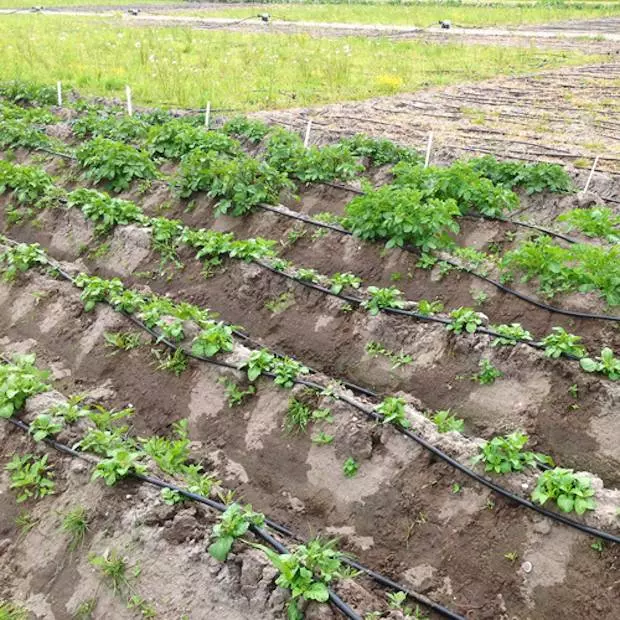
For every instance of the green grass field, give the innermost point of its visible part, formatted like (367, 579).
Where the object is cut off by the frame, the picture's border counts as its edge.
(185, 67)
(420, 15)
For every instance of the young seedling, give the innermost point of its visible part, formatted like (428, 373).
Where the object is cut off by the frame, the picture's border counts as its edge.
(322, 438)
(487, 373)
(464, 319)
(307, 572)
(446, 422)
(234, 395)
(176, 362)
(233, 524)
(75, 524)
(31, 477)
(393, 411)
(113, 567)
(502, 455)
(569, 491)
(122, 341)
(350, 467)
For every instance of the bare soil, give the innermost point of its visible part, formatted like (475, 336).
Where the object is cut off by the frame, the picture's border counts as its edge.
(476, 553)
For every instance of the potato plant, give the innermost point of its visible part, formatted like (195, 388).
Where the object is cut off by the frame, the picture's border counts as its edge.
(114, 163)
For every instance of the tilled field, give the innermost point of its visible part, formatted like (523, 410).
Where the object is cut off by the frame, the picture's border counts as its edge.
(410, 505)
(567, 115)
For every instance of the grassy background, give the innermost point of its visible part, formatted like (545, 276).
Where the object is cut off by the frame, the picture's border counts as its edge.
(185, 67)
(421, 15)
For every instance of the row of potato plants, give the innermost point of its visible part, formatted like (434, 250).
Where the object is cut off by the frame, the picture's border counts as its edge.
(211, 246)
(307, 571)
(418, 209)
(500, 455)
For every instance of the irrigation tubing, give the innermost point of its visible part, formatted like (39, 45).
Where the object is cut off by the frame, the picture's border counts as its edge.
(374, 415)
(505, 289)
(495, 283)
(347, 611)
(259, 532)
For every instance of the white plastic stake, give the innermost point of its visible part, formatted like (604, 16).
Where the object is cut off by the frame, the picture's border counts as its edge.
(207, 114)
(585, 189)
(307, 138)
(59, 92)
(129, 106)
(428, 149)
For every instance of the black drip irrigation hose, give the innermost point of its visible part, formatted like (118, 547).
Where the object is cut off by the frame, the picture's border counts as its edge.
(347, 611)
(273, 525)
(374, 415)
(505, 289)
(495, 283)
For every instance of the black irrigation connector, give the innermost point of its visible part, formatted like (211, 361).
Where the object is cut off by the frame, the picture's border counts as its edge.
(499, 285)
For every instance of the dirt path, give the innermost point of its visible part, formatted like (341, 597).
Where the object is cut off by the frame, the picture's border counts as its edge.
(591, 36)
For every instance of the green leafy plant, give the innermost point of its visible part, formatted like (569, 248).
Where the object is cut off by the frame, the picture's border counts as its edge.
(12, 611)
(32, 478)
(350, 467)
(171, 455)
(258, 363)
(176, 138)
(106, 211)
(122, 341)
(97, 289)
(322, 438)
(402, 216)
(560, 342)
(459, 184)
(19, 380)
(171, 497)
(118, 464)
(251, 129)
(115, 163)
(582, 267)
(487, 373)
(45, 425)
(381, 298)
(234, 395)
(307, 572)
(19, 258)
(27, 183)
(502, 455)
(392, 409)
(234, 522)
(510, 335)
(446, 422)
(464, 319)
(398, 359)
(594, 222)
(396, 600)
(606, 364)
(428, 308)
(113, 567)
(286, 371)
(175, 363)
(569, 491)
(532, 177)
(238, 184)
(298, 416)
(380, 151)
